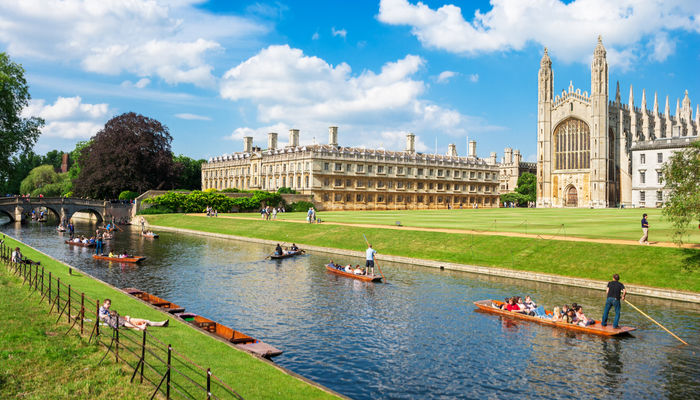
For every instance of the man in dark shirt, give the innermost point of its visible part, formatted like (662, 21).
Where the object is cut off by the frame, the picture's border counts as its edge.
(645, 231)
(615, 292)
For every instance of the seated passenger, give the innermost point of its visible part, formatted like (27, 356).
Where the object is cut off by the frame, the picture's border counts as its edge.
(556, 315)
(294, 247)
(569, 317)
(358, 271)
(531, 305)
(110, 254)
(512, 305)
(564, 309)
(331, 264)
(278, 250)
(523, 308)
(348, 268)
(581, 318)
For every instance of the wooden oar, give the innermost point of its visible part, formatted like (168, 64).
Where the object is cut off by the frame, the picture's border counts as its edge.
(375, 259)
(654, 321)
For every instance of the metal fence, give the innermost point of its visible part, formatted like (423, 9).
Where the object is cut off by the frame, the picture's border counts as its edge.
(169, 372)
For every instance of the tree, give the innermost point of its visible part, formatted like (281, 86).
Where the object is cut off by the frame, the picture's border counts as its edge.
(527, 186)
(189, 172)
(682, 177)
(17, 134)
(19, 168)
(131, 152)
(38, 177)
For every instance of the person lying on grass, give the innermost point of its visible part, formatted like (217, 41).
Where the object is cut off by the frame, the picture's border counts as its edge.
(110, 318)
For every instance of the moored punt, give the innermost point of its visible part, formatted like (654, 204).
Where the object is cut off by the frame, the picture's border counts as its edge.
(155, 300)
(286, 254)
(150, 235)
(596, 329)
(80, 244)
(366, 278)
(238, 339)
(130, 259)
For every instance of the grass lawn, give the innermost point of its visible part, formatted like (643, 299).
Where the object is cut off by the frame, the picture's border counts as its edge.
(597, 223)
(250, 377)
(37, 361)
(644, 265)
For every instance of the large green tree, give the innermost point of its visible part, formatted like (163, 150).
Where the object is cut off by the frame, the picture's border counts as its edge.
(527, 186)
(682, 176)
(19, 167)
(17, 134)
(131, 152)
(189, 173)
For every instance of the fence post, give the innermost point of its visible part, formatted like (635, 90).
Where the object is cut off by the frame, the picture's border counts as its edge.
(97, 318)
(36, 277)
(143, 353)
(42, 280)
(116, 344)
(50, 287)
(68, 304)
(58, 294)
(208, 383)
(82, 311)
(167, 383)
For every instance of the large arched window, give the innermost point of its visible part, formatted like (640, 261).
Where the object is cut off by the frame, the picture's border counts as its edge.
(572, 143)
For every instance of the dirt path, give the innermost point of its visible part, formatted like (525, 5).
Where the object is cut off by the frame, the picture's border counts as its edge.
(489, 233)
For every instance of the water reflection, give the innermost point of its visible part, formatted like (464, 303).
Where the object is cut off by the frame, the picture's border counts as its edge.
(417, 337)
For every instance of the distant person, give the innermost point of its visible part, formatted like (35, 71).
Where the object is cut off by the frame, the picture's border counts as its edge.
(369, 258)
(615, 293)
(16, 256)
(110, 318)
(645, 231)
(278, 250)
(98, 242)
(143, 224)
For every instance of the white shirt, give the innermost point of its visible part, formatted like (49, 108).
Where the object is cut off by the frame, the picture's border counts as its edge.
(370, 252)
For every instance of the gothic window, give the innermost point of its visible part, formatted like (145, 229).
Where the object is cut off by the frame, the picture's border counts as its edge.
(572, 140)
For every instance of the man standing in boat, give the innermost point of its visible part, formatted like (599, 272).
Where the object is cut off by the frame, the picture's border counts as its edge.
(370, 254)
(615, 293)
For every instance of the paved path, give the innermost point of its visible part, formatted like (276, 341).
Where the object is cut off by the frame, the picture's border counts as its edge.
(490, 233)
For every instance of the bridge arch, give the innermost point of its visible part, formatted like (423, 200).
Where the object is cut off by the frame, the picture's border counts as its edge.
(96, 213)
(5, 213)
(53, 210)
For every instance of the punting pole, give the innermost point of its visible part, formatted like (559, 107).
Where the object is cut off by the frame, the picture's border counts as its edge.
(375, 259)
(654, 321)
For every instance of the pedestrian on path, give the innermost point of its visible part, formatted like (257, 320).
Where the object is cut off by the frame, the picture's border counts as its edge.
(615, 293)
(645, 230)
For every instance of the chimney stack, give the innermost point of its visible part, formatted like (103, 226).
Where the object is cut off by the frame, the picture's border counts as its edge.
(294, 137)
(472, 148)
(272, 141)
(333, 135)
(248, 144)
(411, 143)
(452, 150)
(508, 155)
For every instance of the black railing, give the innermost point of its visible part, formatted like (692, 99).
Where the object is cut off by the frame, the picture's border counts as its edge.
(171, 373)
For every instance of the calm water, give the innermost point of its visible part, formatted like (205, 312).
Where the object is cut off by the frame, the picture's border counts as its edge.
(417, 337)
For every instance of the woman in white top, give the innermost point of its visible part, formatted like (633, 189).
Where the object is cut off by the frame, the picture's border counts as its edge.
(348, 268)
(556, 315)
(358, 271)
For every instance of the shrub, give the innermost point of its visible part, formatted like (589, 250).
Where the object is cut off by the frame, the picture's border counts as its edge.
(157, 209)
(300, 206)
(128, 195)
(286, 190)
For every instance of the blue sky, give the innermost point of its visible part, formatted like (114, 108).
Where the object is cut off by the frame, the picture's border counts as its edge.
(215, 71)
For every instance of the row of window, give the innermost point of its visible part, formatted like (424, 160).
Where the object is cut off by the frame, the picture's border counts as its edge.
(348, 198)
(349, 183)
(659, 158)
(643, 196)
(659, 177)
(270, 169)
(381, 169)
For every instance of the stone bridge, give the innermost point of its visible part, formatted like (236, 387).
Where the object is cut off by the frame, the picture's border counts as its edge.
(19, 208)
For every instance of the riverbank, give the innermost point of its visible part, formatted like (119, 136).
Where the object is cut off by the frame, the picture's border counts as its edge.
(248, 375)
(571, 263)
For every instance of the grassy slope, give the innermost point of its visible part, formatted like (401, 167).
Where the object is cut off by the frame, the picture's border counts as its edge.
(643, 265)
(37, 361)
(605, 223)
(246, 374)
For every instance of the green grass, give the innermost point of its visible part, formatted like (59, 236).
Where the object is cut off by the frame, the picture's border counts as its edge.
(598, 223)
(37, 361)
(249, 376)
(644, 265)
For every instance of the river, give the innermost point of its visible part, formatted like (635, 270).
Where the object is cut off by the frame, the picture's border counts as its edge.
(418, 336)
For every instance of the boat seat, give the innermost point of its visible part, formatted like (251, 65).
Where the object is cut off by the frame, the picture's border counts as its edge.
(207, 326)
(161, 303)
(242, 340)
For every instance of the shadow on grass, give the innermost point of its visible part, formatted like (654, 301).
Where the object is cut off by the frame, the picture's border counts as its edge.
(691, 263)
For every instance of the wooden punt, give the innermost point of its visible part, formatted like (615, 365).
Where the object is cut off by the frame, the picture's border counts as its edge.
(150, 236)
(130, 259)
(165, 305)
(238, 339)
(366, 278)
(286, 254)
(80, 244)
(596, 329)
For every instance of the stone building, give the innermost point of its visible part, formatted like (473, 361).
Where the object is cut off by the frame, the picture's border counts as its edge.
(351, 178)
(585, 142)
(510, 169)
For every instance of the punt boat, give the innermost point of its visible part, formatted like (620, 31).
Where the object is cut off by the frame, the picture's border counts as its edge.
(286, 254)
(366, 278)
(130, 259)
(237, 339)
(164, 305)
(596, 328)
(80, 244)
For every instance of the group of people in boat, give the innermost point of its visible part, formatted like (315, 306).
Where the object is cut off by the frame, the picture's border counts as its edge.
(84, 240)
(279, 251)
(356, 270)
(118, 255)
(568, 314)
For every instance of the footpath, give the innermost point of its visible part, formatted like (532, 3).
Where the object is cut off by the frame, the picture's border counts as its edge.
(661, 293)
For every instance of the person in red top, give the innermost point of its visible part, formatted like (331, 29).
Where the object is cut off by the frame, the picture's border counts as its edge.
(512, 306)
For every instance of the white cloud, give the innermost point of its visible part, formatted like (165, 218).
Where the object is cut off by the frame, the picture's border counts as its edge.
(474, 78)
(289, 88)
(445, 76)
(142, 83)
(148, 38)
(69, 117)
(188, 116)
(340, 32)
(661, 47)
(315, 36)
(568, 29)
